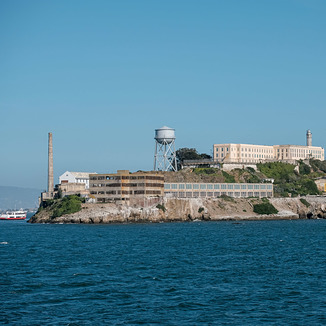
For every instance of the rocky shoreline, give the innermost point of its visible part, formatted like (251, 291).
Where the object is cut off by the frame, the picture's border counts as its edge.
(182, 210)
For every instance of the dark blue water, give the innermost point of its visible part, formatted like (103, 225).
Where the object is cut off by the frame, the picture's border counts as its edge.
(205, 273)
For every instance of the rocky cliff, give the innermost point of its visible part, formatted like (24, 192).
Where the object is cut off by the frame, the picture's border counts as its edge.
(172, 210)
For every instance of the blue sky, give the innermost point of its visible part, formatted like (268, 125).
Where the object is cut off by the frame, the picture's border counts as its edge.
(103, 75)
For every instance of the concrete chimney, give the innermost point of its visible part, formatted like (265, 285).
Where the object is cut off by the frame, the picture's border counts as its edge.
(50, 165)
(309, 138)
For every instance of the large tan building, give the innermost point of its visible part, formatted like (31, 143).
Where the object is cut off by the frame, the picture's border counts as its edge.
(241, 153)
(245, 153)
(295, 152)
(125, 186)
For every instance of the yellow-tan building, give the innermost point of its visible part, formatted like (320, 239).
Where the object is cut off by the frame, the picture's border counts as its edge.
(124, 186)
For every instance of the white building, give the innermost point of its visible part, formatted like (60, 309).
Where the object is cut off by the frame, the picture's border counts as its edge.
(75, 177)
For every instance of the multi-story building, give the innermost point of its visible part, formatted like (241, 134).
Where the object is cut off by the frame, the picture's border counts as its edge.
(295, 152)
(245, 153)
(211, 190)
(125, 186)
(240, 153)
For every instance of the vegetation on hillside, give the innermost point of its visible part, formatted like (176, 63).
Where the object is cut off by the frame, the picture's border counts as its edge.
(304, 202)
(287, 180)
(62, 206)
(265, 208)
(213, 172)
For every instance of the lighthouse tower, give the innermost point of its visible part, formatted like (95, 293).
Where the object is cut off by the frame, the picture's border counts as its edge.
(309, 138)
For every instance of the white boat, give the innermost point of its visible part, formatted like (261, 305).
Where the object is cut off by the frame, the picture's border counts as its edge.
(13, 215)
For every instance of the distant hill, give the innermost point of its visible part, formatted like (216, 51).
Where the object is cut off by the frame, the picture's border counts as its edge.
(16, 197)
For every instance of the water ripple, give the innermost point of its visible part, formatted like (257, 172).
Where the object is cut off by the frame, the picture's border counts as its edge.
(253, 273)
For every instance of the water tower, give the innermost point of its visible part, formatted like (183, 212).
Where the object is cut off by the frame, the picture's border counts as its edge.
(165, 156)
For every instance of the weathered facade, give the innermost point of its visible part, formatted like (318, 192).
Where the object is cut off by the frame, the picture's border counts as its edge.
(211, 190)
(73, 188)
(126, 186)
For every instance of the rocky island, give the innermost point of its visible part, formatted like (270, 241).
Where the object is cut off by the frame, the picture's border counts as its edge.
(182, 210)
(296, 196)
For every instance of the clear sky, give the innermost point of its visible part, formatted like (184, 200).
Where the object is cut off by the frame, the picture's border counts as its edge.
(103, 75)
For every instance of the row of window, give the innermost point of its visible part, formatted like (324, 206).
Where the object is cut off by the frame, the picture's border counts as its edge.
(127, 192)
(245, 149)
(127, 185)
(125, 177)
(203, 194)
(203, 186)
(250, 155)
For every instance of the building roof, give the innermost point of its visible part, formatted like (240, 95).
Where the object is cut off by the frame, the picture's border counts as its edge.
(83, 175)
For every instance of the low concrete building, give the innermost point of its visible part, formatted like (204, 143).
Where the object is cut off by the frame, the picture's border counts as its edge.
(73, 189)
(75, 177)
(211, 190)
(126, 186)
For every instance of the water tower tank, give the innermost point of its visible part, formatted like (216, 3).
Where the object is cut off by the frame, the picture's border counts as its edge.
(165, 135)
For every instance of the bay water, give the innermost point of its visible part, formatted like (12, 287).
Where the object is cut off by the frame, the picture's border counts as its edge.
(199, 273)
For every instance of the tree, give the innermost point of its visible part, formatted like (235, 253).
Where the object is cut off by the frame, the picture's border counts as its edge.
(189, 154)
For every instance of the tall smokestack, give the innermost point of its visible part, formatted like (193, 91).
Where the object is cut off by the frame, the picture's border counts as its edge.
(309, 138)
(50, 164)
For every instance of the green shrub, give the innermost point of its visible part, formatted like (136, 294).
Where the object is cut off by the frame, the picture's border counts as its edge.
(265, 208)
(304, 168)
(228, 178)
(304, 202)
(47, 203)
(161, 207)
(67, 205)
(58, 194)
(227, 198)
(206, 171)
(201, 209)
(251, 170)
(253, 179)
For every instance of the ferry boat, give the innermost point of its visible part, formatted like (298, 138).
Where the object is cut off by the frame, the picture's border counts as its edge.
(13, 215)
